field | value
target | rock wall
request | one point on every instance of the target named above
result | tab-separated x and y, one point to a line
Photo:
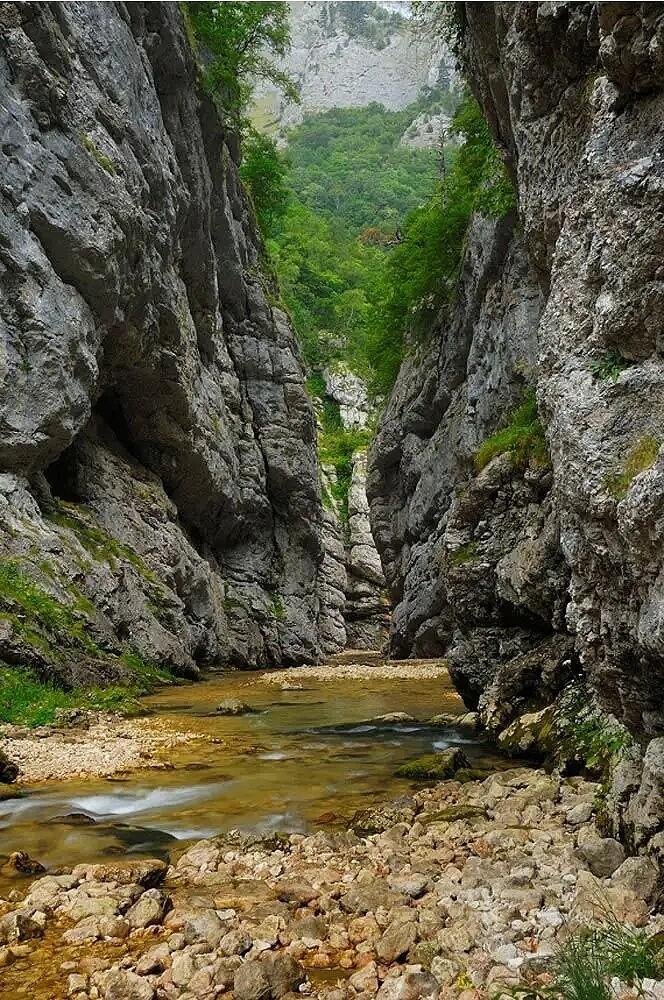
348	55
159	495
566	560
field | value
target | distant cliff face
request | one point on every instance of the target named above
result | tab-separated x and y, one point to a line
564	557
348	55
159	492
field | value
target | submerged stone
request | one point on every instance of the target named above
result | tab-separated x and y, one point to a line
435	766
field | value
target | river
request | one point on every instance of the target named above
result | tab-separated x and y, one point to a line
308	754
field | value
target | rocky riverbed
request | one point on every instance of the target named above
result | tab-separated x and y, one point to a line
464	890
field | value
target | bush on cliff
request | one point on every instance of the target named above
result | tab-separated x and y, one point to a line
422	272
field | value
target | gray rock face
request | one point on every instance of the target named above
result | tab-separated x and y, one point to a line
157	445
472	560
346	55
492	565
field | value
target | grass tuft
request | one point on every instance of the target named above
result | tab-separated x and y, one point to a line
102	160
591	957
523	438
642	456
464	554
27	701
609	367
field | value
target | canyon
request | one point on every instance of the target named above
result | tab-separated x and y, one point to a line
165	513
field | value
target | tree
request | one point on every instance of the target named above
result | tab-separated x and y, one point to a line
240	43
264	173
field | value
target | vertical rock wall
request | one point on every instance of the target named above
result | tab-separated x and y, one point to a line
526	571
159	473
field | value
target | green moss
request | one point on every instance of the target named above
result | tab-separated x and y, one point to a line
432	767
609	367
33	611
464	554
453	813
642	456
100	158
522	437
278	607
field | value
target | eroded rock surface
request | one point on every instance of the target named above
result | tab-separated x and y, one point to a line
156	442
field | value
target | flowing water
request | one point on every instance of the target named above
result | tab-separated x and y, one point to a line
305	752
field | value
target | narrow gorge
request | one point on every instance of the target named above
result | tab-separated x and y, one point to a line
331	501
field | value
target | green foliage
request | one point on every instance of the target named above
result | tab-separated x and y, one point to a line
100	158
609	366
336	446
264	172
464	554
641	456
328	282
591	957
363	19
580	732
26	700
422	272
239	43
278	607
349	168
523	437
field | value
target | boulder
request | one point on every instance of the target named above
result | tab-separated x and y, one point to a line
434	767
251	982
8	769
603	855
233	706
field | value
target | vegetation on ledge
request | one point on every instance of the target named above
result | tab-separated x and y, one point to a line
522	437
25	700
641	457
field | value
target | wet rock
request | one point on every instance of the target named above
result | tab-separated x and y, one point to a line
74	819
365	980
284	974
233	706
434	767
147	872
20	862
19	926
93	928
8	769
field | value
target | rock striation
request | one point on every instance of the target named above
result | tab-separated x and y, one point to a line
519	566
159	493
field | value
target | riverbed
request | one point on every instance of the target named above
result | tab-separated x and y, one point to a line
311	752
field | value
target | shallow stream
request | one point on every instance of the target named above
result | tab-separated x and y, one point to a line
306	753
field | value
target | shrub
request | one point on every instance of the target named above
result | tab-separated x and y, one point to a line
641	456
523	437
241	42
609	366
422	272
264	172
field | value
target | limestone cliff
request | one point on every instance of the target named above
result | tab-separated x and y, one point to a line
349	54
520	569
159	495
